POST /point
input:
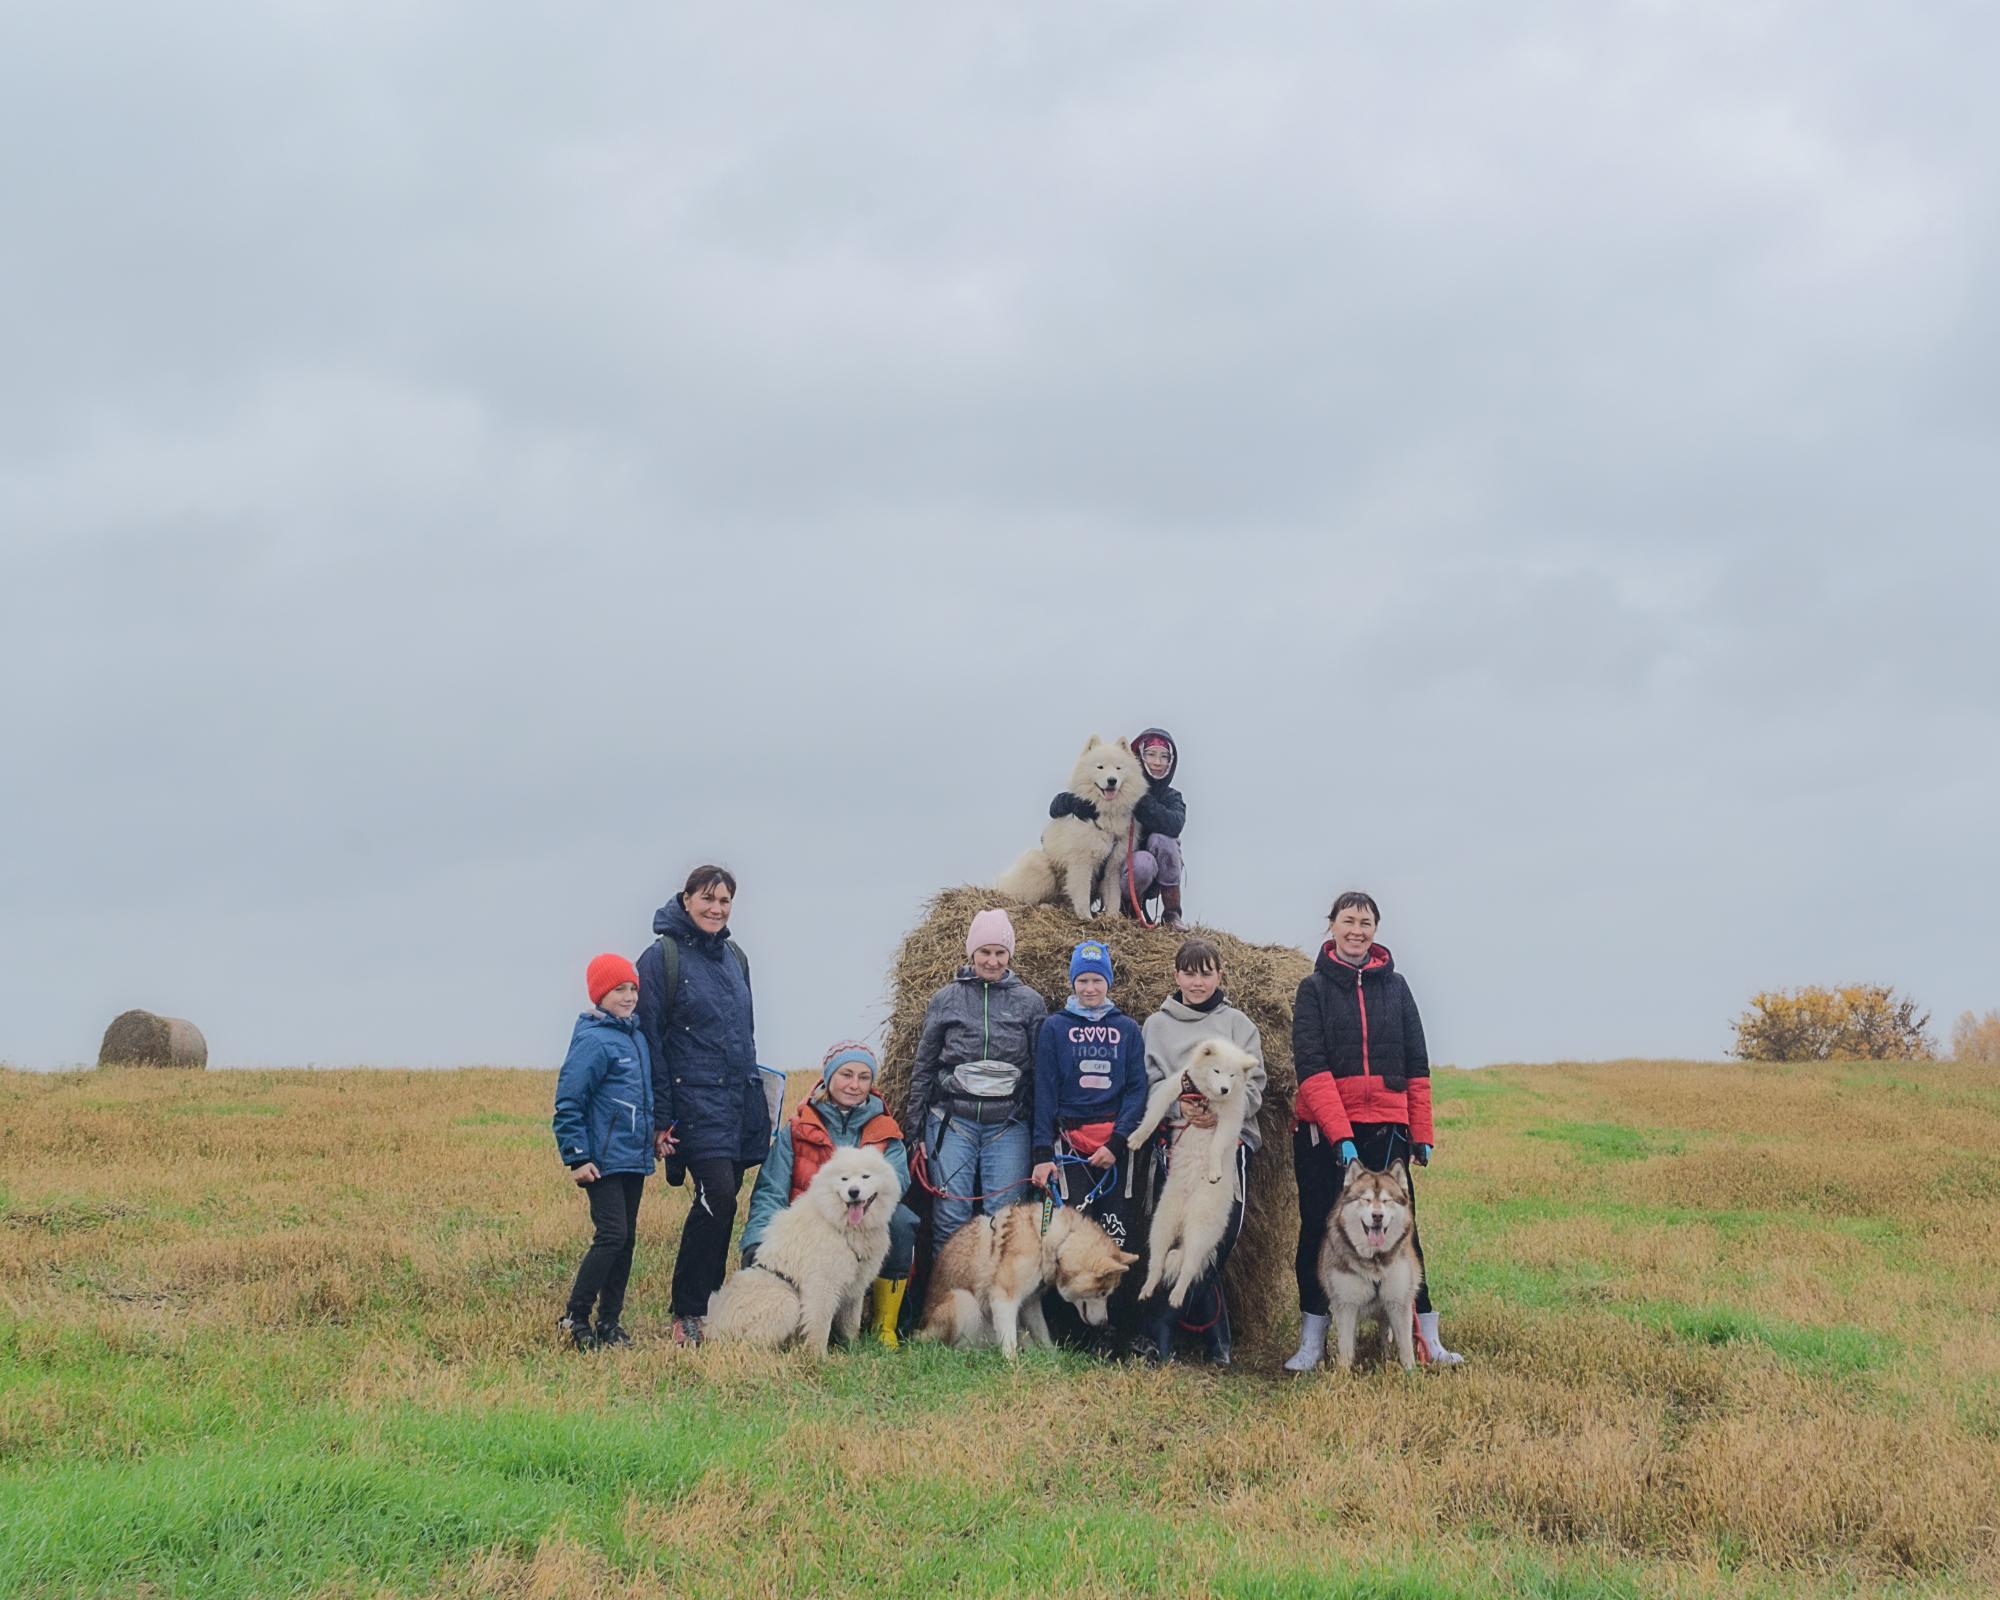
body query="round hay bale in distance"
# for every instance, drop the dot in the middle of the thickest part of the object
(1261, 981)
(141, 1039)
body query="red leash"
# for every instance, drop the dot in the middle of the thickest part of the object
(920, 1170)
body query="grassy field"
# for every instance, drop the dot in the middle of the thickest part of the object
(1732, 1330)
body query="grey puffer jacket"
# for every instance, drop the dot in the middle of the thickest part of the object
(970, 1020)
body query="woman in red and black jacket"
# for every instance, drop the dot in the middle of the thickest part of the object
(1364, 1095)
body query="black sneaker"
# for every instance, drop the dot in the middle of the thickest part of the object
(577, 1333)
(613, 1338)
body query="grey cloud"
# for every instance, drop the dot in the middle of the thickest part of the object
(461, 467)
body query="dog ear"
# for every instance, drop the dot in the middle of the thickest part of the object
(1128, 1258)
(1399, 1169)
(1091, 744)
(1124, 744)
(1356, 1170)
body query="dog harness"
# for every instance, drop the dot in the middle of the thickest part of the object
(785, 1278)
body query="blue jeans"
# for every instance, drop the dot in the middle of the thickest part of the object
(990, 1158)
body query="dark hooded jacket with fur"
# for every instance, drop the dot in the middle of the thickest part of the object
(1162, 810)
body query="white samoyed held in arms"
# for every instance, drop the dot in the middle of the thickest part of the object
(1193, 1211)
(817, 1258)
(1081, 858)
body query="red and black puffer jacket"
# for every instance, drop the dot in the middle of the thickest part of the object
(1358, 1047)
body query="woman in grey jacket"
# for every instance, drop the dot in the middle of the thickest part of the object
(1198, 1010)
(974, 1077)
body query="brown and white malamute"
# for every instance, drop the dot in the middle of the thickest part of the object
(1368, 1261)
(987, 1284)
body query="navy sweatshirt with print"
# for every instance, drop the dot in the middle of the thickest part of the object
(1088, 1069)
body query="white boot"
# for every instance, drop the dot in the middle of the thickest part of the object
(1312, 1342)
(1427, 1325)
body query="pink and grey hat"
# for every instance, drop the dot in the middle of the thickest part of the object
(990, 927)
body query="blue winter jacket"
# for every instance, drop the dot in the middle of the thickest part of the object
(705, 1079)
(604, 1096)
(1089, 1070)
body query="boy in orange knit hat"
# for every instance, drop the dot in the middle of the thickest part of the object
(604, 1132)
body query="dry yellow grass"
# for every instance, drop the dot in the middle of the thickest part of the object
(1730, 1327)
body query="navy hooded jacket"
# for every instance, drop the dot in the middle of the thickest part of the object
(604, 1096)
(705, 1078)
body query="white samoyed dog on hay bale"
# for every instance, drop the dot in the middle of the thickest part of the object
(1081, 858)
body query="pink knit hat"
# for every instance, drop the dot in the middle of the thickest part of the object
(991, 927)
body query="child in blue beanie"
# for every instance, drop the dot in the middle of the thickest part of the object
(1090, 1092)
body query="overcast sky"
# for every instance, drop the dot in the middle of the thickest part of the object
(463, 464)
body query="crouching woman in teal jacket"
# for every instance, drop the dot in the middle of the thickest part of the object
(604, 1132)
(842, 1113)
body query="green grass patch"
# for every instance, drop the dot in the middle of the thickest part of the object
(1606, 1141)
(499, 1119)
(223, 1108)
(1837, 1350)
(334, 1497)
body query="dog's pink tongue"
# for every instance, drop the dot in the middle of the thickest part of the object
(855, 1212)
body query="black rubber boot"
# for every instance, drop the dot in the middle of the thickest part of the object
(1216, 1336)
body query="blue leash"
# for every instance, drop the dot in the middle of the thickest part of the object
(1106, 1177)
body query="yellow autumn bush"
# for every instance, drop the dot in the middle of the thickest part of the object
(1976, 1038)
(1855, 1022)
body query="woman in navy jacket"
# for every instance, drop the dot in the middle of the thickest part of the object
(708, 1098)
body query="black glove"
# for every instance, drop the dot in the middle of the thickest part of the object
(1069, 805)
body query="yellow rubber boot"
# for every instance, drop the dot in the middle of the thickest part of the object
(885, 1305)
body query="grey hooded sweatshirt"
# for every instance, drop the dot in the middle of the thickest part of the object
(1176, 1028)
(971, 1020)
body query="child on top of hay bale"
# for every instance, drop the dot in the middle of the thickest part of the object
(1090, 1093)
(1158, 821)
(1198, 1009)
(842, 1113)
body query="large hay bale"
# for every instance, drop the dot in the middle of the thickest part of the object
(1261, 980)
(140, 1039)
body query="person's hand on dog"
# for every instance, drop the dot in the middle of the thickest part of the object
(1070, 805)
(1102, 1157)
(1199, 1113)
(1348, 1154)
(587, 1173)
(1043, 1175)
(1423, 1155)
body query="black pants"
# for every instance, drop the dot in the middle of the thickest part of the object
(1113, 1210)
(1320, 1177)
(1205, 1312)
(711, 1220)
(607, 1264)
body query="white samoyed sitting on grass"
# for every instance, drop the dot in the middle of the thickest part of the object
(816, 1260)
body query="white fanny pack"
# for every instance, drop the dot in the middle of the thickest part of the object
(985, 1080)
